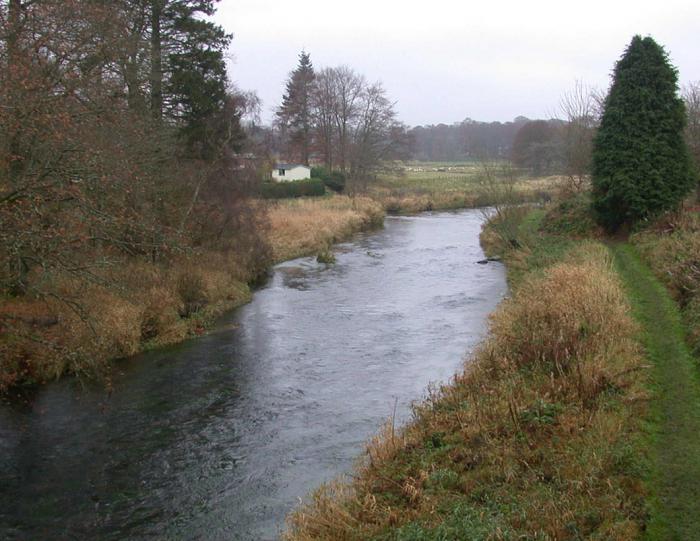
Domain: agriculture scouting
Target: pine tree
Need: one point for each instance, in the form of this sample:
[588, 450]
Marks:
[188, 76]
[295, 112]
[641, 166]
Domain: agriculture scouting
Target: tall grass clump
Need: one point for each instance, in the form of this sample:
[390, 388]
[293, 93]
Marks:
[302, 227]
[536, 439]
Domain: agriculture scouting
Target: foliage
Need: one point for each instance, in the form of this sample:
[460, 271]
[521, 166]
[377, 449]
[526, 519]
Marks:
[118, 149]
[298, 188]
[306, 226]
[295, 113]
[537, 147]
[691, 98]
[334, 180]
[573, 215]
[581, 108]
[464, 140]
[326, 256]
[641, 166]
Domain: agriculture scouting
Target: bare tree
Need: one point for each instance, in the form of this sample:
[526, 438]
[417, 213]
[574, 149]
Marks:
[373, 133]
[324, 107]
[497, 185]
[580, 108]
[349, 87]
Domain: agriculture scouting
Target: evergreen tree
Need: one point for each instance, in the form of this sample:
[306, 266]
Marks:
[295, 113]
[641, 166]
[195, 76]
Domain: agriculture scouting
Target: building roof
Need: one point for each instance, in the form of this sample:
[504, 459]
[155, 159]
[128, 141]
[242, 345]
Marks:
[287, 166]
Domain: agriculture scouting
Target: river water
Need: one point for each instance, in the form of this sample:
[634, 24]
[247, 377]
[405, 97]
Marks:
[219, 437]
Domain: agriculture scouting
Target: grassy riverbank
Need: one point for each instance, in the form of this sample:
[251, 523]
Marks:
[674, 427]
[302, 227]
[541, 436]
[134, 304]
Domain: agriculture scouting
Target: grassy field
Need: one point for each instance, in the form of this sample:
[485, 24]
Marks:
[538, 438]
[434, 186]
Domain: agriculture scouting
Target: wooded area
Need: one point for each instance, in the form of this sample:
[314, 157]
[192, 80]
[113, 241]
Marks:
[118, 166]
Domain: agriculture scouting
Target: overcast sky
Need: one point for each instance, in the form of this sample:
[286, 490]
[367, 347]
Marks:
[446, 60]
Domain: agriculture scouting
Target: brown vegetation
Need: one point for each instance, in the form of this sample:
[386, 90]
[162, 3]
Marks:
[301, 227]
[536, 437]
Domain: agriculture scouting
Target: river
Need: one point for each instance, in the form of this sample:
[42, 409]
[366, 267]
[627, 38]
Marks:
[219, 437]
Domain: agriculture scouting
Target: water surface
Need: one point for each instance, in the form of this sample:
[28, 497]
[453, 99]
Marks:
[219, 437]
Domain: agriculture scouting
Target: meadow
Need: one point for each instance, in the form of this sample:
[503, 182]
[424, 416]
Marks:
[424, 186]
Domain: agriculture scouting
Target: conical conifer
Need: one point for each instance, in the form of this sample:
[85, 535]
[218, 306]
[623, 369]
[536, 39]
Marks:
[641, 166]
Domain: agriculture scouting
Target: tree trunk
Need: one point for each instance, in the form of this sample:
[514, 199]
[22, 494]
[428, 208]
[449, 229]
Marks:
[156, 60]
[14, 76]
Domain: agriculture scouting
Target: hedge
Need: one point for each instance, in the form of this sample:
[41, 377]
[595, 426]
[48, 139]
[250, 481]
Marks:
[297, 188]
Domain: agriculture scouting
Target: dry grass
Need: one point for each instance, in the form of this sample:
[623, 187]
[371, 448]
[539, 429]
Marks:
[83, 327]
[534, 440]
[149, 305]
[302, 227]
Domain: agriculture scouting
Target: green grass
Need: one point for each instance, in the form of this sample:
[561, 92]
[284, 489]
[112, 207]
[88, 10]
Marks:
[422, 186]
[675, 425]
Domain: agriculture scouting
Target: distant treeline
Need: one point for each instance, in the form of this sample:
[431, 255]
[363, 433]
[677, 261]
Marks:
[464, 140]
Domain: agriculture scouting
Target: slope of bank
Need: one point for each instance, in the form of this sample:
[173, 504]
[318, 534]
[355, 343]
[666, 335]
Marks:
[135, 304]
[540, 436]
[675, 426]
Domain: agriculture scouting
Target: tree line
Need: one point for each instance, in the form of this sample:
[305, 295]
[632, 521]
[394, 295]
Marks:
[120, 132]
[336, 117]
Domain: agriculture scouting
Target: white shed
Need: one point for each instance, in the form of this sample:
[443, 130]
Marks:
[287, 172]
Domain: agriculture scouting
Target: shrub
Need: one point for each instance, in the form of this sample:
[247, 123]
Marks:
[192, 292]
[572, 216]
[298, 188]
[335, 180]
[319, 172]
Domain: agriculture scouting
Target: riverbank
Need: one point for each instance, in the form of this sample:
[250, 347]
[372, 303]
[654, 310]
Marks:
[539, 436]
[302, 227]
[577, 418]
[218, 437]
[135, 305]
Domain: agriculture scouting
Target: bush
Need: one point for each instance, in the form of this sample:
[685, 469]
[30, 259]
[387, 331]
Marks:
[319, 172]
[334, 180]
[192, 292]
[572, 216]
[298, 188]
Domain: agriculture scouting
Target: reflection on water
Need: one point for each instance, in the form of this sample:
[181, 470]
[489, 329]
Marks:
[219, 437]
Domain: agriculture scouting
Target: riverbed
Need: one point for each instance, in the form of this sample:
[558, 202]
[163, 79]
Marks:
[219, 437]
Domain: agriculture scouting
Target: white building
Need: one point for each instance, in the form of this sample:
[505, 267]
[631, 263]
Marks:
[286, 172]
